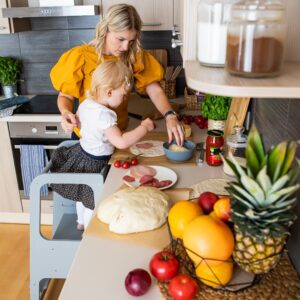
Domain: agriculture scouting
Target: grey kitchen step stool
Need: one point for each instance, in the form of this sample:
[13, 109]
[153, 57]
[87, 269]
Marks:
[52, 258]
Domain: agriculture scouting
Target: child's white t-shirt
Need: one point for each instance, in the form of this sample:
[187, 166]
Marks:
[94, 119]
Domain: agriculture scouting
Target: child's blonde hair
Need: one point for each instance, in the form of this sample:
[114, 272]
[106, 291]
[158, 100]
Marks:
[109, 74]
[119, 17]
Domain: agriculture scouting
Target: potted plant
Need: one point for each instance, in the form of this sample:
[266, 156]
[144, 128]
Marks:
[216, 109]
[10, 70]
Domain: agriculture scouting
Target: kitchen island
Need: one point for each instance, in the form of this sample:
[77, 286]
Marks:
[101, 264]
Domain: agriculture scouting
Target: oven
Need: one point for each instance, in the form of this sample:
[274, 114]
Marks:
[48, 134]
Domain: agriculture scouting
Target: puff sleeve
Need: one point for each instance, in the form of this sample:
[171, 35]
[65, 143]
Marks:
[67, 75]
[146, 70]
[106, 119]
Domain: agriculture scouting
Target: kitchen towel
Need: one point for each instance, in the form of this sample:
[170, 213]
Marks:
[33, 161]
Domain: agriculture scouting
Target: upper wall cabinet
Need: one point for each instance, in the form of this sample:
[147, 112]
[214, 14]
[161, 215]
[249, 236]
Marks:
[155, 14]
[8, 25]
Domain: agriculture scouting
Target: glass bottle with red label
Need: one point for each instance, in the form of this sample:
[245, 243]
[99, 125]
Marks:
[214, 147]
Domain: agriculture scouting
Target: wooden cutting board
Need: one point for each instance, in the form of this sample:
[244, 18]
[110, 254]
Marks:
[154, 161]
[161, 55]
[157, 239]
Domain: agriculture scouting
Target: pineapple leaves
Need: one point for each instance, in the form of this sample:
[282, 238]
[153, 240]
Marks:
[252, 160]
[273, 197]
[254, 189]
[238, 169]
[276, 160]
[290, 154]
[264, 180]
[255, 142]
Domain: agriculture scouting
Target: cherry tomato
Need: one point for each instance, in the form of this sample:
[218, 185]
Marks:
[126, 165]
[117, 164]
[164, 265]
[183, 287]
[134, 161]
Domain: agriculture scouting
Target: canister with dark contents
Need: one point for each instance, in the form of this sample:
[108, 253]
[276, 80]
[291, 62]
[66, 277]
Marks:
[214, 147]
[256, 38]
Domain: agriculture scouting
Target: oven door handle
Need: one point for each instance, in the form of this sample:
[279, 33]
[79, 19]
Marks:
[46, 147]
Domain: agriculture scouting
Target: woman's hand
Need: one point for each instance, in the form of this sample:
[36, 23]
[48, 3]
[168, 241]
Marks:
[175, 129]
[69, 121]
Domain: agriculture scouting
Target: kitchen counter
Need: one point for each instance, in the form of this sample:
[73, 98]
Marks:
[101, 265]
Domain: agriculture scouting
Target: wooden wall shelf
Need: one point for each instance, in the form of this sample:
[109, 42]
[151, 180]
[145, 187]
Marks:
[217, 81]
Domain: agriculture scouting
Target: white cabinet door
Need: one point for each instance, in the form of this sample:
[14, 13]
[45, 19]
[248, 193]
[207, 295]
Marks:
[155, 14]
[4, 22]
[12, 25]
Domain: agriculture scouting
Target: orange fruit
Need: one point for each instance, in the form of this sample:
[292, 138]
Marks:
[181, 214]
[208, 237]
[222, 208]
[213, 215]
[215, 275]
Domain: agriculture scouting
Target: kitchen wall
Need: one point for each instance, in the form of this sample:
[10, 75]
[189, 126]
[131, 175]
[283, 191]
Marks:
[278, 120]
[40, 48]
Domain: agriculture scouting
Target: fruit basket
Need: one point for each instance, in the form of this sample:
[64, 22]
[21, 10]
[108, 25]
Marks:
[249, 244]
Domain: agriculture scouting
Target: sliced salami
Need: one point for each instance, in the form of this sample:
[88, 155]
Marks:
[146, 179]
[128, 178]
[139, 171]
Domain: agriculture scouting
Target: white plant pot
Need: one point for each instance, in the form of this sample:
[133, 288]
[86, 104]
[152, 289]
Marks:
[216, 124]
[9, 90]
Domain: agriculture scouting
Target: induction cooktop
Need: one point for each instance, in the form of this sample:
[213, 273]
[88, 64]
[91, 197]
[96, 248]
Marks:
[41, 104]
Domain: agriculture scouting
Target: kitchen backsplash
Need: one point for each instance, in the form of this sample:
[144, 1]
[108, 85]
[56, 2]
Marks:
[278, 120]
[40, 48]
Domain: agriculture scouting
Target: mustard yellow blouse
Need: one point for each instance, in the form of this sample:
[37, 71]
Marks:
[72, 74]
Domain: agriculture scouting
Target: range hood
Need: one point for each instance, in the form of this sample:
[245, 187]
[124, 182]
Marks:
[51, 11]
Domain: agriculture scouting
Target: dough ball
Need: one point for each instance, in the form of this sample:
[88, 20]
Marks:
[177, 148]
[134, 210]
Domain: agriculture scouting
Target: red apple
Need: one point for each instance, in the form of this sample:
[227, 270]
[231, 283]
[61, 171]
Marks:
[207, 200]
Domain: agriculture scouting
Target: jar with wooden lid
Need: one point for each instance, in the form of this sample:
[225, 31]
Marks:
[256, 38]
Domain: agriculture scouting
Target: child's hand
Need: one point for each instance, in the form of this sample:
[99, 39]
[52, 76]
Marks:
[148, 124]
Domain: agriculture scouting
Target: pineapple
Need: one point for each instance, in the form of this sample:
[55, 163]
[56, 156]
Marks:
[262, 202]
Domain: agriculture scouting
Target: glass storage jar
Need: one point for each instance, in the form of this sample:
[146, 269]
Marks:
[236, 143]
[212, 19]
[256, 38]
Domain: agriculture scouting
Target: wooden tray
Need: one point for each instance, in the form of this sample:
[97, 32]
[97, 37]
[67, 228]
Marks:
[157, 239]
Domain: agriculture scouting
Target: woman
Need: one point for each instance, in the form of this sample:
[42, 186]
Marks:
[117, 37]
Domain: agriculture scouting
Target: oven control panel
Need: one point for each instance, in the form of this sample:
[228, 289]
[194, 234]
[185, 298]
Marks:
[37, 130]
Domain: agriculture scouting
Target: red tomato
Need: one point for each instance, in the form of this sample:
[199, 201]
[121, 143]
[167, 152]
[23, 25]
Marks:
[183, 287]
[126, 165]
[117, 164]
[134, 161]
[164, 265]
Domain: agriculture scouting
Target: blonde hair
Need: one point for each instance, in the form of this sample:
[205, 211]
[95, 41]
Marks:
[119, 18]
[109, 74]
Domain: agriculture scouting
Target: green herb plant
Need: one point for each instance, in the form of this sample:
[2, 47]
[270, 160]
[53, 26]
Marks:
[10, 70]
[215, 107]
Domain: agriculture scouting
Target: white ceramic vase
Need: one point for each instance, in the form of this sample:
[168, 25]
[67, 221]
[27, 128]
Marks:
[9, 90]
[216, 124]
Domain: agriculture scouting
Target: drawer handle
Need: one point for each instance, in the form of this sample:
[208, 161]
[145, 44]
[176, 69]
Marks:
[2, 27]
[152, 24]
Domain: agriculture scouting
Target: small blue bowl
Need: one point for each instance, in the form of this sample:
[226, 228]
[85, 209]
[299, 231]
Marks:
[179, 156]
